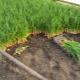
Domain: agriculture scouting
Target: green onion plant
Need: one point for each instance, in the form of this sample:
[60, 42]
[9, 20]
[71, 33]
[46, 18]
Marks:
[73, 48]
[18, 18]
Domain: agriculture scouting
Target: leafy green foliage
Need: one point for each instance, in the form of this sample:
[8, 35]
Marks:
[73, 48]
[20, 17]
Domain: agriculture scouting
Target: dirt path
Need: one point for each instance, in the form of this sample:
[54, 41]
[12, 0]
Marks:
[45, 57]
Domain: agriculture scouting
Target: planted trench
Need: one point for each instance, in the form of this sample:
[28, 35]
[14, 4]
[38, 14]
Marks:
[46, 58]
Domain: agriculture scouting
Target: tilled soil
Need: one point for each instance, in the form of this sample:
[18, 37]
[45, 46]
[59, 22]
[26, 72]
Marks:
[43, 56]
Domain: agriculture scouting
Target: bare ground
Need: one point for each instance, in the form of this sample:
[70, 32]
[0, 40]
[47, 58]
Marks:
[43, 56]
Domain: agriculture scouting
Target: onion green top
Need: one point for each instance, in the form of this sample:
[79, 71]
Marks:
[20, 17]
[73, 48]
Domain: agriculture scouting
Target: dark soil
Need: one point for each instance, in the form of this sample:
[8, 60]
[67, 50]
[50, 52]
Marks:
[43, 56]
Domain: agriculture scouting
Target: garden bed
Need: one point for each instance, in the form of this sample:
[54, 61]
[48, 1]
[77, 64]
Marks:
[21, 18]
[43, 56]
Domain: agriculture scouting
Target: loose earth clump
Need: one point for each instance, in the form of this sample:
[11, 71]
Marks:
[43, 56]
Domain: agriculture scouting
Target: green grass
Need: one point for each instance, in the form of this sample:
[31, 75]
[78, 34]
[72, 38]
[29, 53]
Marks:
[73, 48]
[20, 17]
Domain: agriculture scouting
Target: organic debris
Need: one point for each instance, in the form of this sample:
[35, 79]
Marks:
[19, 50]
